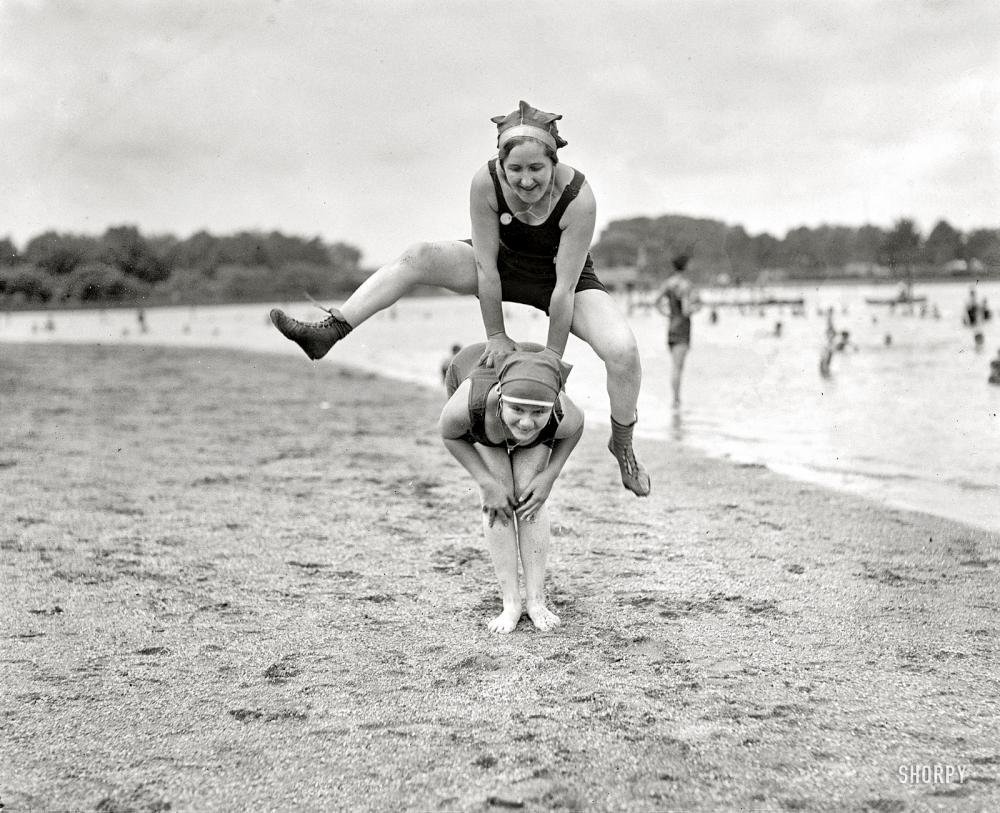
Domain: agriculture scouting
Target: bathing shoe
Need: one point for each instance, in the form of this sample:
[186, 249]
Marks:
[316, 338]
[634, 476]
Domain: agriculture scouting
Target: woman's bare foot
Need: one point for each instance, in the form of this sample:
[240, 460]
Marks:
[541, 616]
[507, 620]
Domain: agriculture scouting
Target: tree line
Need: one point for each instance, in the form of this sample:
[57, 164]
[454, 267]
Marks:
[122, 265]
[720, 250]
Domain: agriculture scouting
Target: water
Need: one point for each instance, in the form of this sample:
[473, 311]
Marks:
[913, 424]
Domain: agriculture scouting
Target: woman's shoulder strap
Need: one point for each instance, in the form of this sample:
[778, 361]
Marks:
[569, 193]
[501, 200]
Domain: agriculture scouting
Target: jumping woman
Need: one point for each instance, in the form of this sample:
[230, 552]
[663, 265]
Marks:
[532, 224]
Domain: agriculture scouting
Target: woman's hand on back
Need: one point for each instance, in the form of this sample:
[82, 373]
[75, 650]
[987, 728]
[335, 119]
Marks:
[498, 347]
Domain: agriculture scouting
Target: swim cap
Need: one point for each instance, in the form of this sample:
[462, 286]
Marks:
[530, 377]
[531, 122]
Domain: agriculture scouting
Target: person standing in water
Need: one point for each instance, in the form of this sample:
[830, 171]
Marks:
[512, 430]
[677, 300]
[533, 220]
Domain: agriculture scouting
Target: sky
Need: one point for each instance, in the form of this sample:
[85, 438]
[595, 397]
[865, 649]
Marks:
[365, 122]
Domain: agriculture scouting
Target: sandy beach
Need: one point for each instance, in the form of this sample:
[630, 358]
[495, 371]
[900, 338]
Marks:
[238, 581]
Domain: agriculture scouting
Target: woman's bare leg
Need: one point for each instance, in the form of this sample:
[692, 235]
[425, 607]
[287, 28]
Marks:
[678, 354]
[533, 539]
[450, 265]
[598, 322]
[502, 542]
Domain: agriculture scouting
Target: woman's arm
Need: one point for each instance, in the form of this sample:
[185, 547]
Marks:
[453, 424]
[578, 232]
[661, 302]
[567, 436]
[483, 208]
[690, 301]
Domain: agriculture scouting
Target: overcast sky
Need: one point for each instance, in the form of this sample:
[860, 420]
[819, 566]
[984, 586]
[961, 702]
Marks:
[365, 122]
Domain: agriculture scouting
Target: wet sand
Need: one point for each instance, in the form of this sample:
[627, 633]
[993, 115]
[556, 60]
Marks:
[237, 581]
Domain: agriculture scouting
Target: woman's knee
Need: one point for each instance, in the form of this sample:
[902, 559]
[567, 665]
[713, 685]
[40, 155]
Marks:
[419, 258]
[621, 352]
[450, 264]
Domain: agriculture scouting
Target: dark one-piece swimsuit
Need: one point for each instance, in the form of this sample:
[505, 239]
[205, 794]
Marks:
[526, 259]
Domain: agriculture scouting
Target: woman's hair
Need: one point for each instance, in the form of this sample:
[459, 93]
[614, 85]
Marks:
[517, 141]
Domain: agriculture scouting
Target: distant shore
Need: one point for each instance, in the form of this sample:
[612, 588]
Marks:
[427, 291]
[238, 580]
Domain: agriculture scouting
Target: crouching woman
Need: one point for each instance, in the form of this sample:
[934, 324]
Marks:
[513, 431]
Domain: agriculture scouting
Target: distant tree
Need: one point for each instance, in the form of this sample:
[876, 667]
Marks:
[60, 253]
[127, 250]
[984, 245]
[901, 246]
[867, 244]
[943, 244]
[766, 250]
[801, 251]
[283, 249]
[164, 247]
[27, 283]
[244, 283]
[187, 285]
[245, 248]
[100, 282]
[344, 257]
[739, 252]
[201, 251]
[616, 249]
[8, 253]
[833, 244]
[294, 279]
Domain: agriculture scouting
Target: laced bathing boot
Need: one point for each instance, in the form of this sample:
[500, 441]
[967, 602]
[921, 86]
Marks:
[315, 338]
[634, 476]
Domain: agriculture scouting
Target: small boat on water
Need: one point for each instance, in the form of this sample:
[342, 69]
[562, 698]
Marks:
[895, 300]
[754, 303]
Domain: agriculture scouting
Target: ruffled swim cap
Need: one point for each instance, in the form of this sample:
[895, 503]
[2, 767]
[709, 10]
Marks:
[530, 377]
[531, 122]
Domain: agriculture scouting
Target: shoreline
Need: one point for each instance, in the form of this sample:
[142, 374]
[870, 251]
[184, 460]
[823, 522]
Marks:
[221, 592]
[870, 486]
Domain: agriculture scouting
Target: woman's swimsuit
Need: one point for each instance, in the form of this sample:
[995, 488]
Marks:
[526, 258]
[482, 380]
[679, 329]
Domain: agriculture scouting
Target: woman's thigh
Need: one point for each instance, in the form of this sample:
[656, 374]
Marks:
[598, 322]
[449, 264]
[679, 352]
[498, 462]
[526, 463]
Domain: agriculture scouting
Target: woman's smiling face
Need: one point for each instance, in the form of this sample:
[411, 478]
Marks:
[529, 170]
[524, 421]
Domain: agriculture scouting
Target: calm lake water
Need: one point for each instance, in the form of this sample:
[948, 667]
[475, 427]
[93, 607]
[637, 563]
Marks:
[912, 423]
